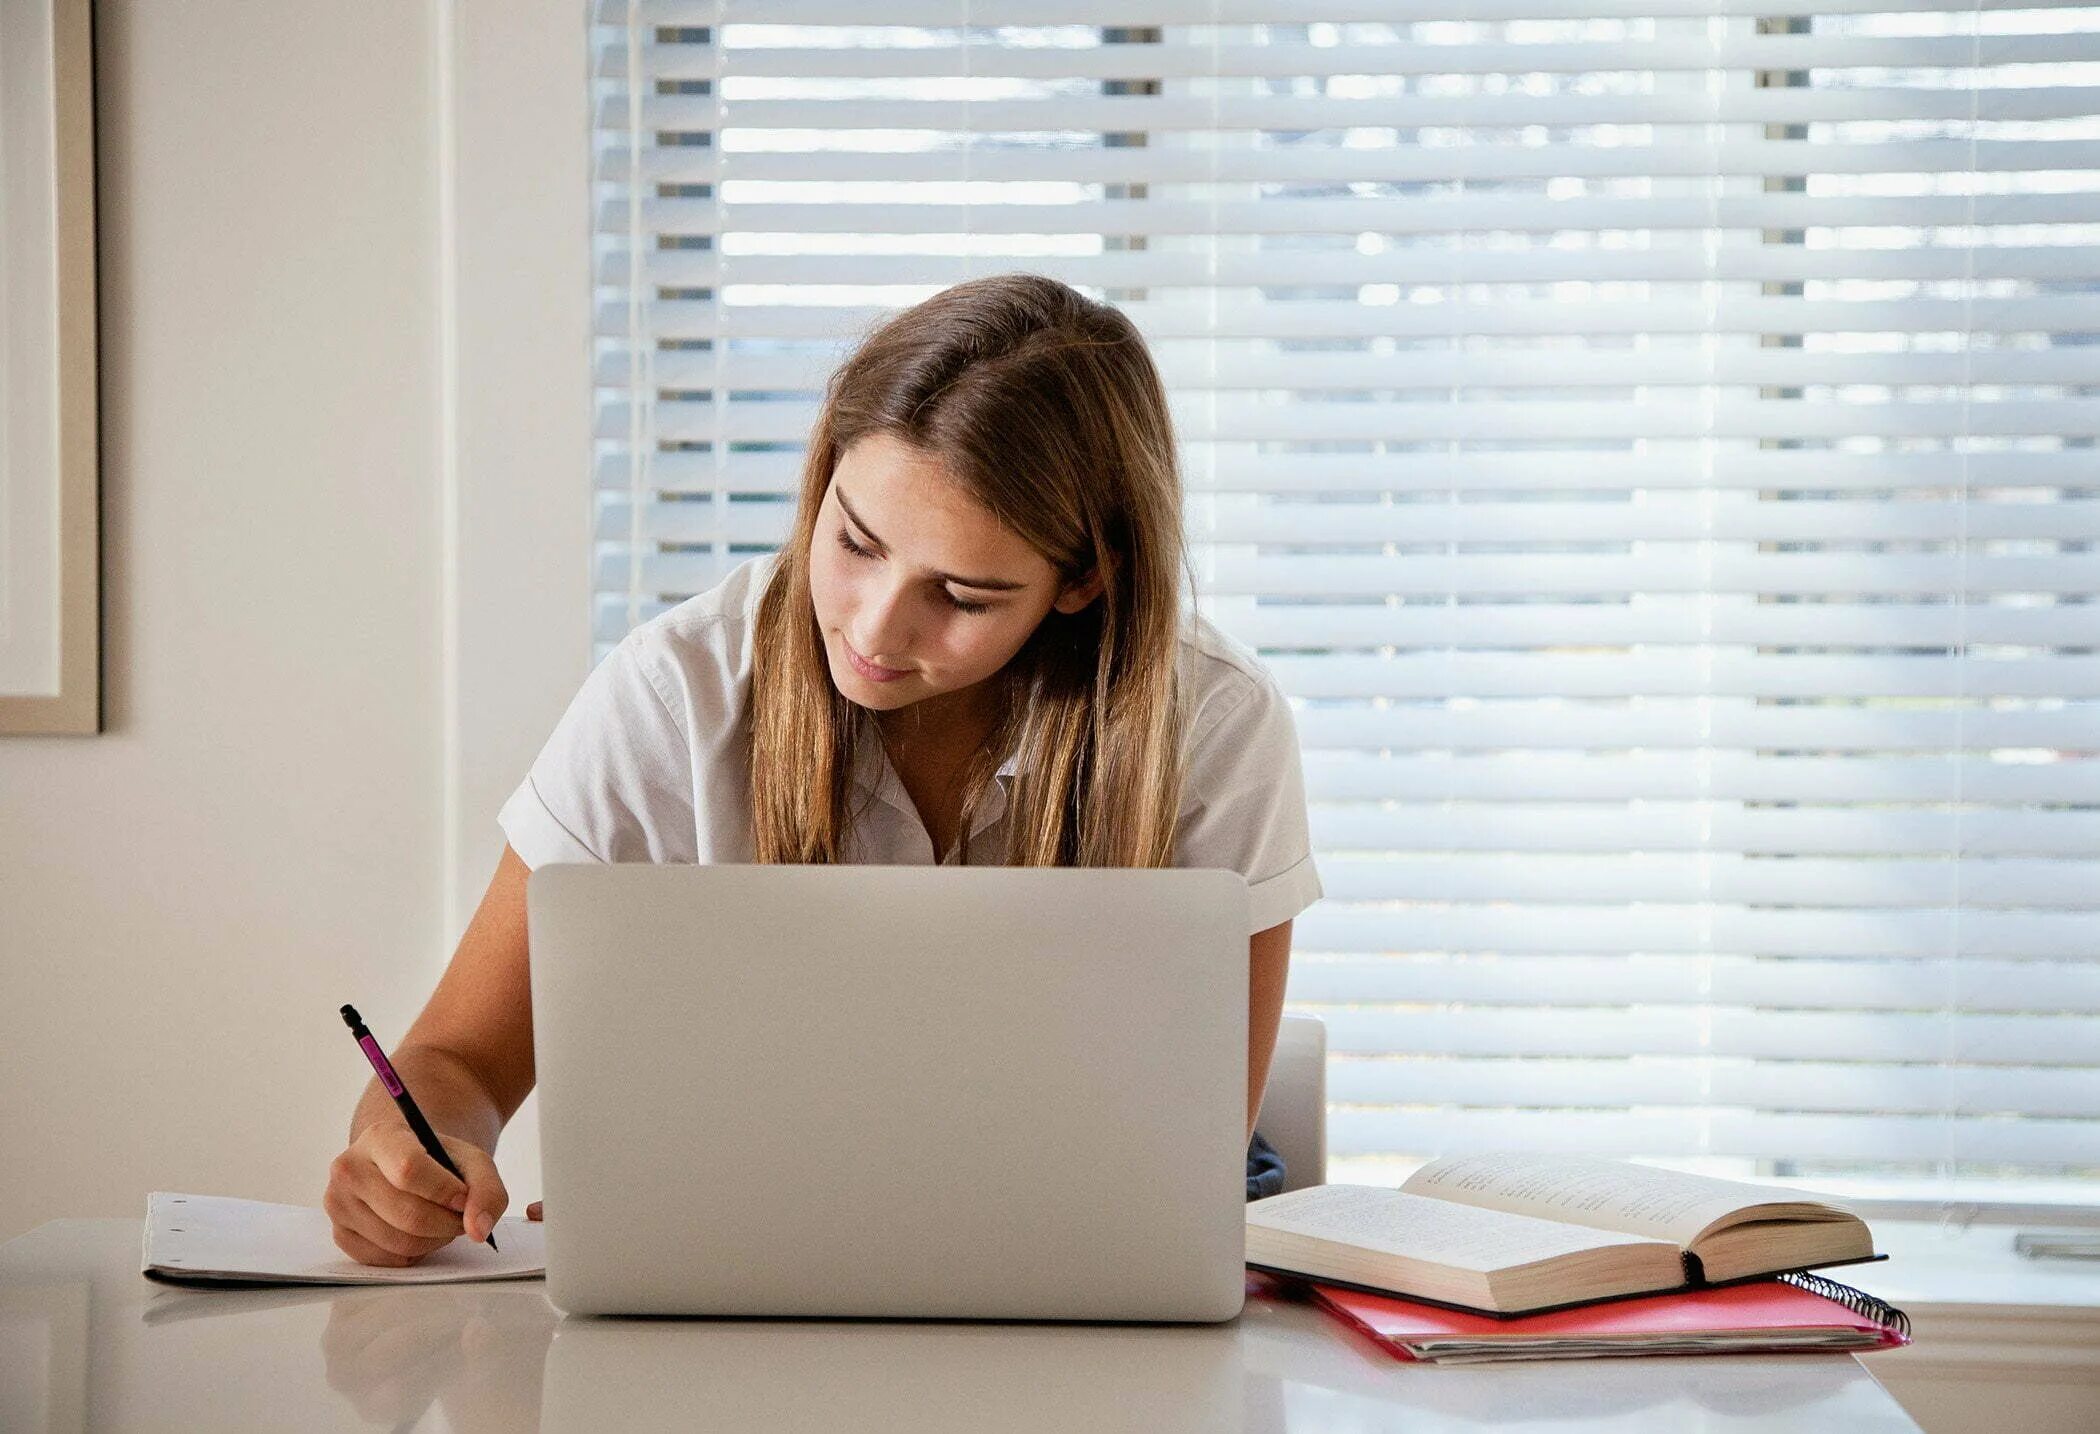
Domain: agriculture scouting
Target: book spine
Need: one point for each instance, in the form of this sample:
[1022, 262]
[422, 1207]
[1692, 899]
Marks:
[1858, 1301]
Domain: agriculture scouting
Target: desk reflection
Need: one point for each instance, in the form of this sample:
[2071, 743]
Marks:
[797, 1377]
[494, 1358]
[478, 1352]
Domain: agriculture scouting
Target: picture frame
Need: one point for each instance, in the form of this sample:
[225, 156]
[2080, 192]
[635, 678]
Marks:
[50, 471]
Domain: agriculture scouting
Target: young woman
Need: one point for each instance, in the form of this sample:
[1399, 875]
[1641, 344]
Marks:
[973, 647]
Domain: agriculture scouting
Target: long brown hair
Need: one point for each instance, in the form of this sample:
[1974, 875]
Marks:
[1044, 407]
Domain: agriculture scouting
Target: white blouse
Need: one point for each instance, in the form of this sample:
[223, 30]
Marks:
[651, 762]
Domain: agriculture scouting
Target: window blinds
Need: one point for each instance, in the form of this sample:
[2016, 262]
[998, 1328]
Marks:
[1651, 440]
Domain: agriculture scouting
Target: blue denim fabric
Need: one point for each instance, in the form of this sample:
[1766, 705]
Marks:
[1264, 1169]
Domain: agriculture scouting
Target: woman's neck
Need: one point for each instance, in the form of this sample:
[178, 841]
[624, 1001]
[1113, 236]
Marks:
[937, 732]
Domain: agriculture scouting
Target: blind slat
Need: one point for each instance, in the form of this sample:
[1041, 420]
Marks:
[1170, 114]
[878, 214]
[1803, 983]
[1719, 1031]
[1655, 624]
[1682, 776]
[1356, 524]
[1988, 1140]
[1701, 826]
[1979, 724]
[1787, 880]
[672, 319]
[1186, 373]
[1332, 927]
[1208, 421]
[1264, 166]
[1740, 52]
[935, 13]
[1233, 471]
[1827, 1086]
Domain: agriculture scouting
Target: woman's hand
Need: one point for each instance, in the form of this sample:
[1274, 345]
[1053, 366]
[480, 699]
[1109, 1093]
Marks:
[391, 1204]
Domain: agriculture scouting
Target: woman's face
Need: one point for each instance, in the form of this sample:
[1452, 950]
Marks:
[944, 595]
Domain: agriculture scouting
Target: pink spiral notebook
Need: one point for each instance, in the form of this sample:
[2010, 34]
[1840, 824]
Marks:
[1791, 1313]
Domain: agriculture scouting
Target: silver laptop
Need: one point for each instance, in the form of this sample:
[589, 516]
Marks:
[892, 1091]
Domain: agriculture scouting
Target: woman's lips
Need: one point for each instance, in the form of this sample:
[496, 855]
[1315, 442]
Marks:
[868, 669]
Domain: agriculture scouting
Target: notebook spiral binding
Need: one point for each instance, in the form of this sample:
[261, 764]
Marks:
[1857, 1301]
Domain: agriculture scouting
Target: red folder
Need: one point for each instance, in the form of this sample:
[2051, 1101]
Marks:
[1763, 1317]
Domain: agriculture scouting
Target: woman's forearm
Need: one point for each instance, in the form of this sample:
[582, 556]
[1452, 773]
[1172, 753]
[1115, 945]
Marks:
[451, 1097]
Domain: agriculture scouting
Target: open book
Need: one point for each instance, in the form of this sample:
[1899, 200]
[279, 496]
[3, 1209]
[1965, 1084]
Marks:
[1512, 1234]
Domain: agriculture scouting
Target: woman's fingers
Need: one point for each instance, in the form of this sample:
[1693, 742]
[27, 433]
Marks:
[411, 1214]
[534, 1212]
[486, 1198]
[352, 1215]
[406, 1165]
[358, 1248]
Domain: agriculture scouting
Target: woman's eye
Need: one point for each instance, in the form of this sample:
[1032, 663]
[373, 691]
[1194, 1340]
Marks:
[959, 604]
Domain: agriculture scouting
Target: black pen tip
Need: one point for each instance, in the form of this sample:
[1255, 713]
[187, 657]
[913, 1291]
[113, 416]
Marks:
[491, 1238]
[351, 1018]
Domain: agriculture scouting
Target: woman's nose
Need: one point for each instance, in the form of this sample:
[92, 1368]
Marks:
[881, 629]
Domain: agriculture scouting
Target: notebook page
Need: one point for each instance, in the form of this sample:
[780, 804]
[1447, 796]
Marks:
[216, 1237]
[1602, 1194]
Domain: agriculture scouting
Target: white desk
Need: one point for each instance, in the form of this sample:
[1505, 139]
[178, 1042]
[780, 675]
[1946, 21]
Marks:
[86, 1342]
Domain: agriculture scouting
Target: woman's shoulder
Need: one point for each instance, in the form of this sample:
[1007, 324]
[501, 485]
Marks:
[1219, 675]
[702, 645]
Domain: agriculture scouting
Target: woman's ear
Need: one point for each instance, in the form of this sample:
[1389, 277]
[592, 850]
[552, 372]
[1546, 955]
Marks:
[1079, 594]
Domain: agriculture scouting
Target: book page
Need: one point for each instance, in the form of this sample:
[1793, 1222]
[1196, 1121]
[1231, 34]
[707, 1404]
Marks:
[1464, 1237]
[1601, 1194]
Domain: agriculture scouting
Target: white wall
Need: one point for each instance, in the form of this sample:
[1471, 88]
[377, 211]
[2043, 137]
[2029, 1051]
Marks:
[258, 836]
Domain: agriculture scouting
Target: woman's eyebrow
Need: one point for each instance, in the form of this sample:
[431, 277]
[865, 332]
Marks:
[989, 584]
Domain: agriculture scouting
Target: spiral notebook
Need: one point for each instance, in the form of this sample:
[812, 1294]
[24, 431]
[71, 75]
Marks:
[1795, 1312]
[216, 1239]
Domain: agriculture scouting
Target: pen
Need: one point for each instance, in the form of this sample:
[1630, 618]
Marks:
[402, 1098]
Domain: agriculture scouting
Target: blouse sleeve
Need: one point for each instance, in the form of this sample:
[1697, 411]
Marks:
[614, 781]
[1246, 807]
